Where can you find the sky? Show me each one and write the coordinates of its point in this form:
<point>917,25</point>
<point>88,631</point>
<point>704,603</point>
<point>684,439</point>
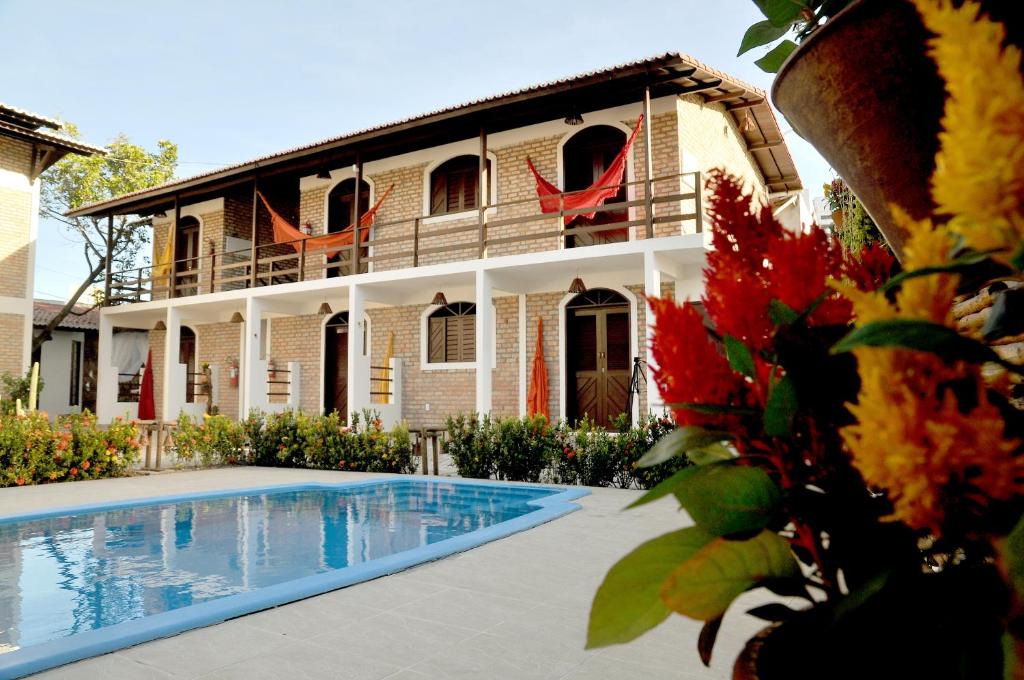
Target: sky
<point>228,81</point>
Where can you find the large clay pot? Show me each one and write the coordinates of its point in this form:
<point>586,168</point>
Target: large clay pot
<point>862,90</point>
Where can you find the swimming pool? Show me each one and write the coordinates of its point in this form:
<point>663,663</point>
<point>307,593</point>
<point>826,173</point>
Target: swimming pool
<point>77,582</point>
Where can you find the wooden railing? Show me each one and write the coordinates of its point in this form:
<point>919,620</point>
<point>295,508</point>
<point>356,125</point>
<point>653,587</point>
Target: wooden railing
<point>421,240</point>
<point>382,385</point>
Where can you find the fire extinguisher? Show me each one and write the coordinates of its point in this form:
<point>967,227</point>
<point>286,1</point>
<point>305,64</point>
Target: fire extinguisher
<point>233,373</point>
<point>271,369</point>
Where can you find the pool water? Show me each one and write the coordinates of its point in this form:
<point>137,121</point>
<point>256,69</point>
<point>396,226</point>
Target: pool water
<point>72,574</point>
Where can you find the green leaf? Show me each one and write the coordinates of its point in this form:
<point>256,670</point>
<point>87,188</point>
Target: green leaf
<point>724,499</point>
<point>705,585</point>
<point>922,336</point>
<point>665,487</point>
<point>761,33</point>
<point>739,356</point>
<point>712,453</point>
<point>1011,557</point>
<point>961,263</point>
<point>780,408</point>
<point>772,62</point>
<point>628,603</point>
<point>780,313</point>
<point>781,12</point>
<point>680,441</point>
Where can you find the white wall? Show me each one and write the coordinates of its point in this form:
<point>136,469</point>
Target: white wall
<point>55,371</point>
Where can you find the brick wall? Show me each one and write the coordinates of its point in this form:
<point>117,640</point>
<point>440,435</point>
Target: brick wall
<point>708,133</point>
<point>156,346</point>
<point>216,343</point>
<point>12,330</point>
<point>15,219</point>
<point>299,338</point>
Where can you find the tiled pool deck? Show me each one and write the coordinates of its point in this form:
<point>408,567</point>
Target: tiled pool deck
<point>515,608</point>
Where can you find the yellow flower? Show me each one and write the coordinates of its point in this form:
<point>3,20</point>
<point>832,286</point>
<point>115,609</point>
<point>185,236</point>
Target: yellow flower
<point>979,169</point>
<point>913,440</point>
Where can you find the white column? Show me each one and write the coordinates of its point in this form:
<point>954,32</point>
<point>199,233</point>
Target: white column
<point>174,384</point>
<point>106,374</point>
<point>523,360</point>
<point>652,289</point>
<point>253,373</point>
<point>358,363</point>
<point>484,340</point>
<point>689,284</point>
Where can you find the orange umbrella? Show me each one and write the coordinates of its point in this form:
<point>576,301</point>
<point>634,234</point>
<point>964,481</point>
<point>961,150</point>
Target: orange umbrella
<point>537,397</point>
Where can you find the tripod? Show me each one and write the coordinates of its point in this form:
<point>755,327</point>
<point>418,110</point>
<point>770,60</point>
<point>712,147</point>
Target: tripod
<point>634,384</point>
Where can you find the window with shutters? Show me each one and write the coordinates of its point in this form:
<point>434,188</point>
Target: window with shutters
<point>455,185</point>
<point>451,334</point>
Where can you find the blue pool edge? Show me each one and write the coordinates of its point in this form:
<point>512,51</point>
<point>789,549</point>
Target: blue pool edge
<point>92,643</point>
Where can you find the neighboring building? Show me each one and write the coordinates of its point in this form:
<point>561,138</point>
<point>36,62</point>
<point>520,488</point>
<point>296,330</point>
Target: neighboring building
<point>29,144</point>
<point>823,214</point>
<point>457,277</point>
<point>67,361</point>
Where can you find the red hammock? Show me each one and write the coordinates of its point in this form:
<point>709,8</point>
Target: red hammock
<point>606,186</point>
<point>333,243</point>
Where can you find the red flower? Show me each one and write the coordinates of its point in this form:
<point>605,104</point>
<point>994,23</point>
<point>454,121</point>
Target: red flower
<point>873,267</point>
<point>74,471</point>
<point>570,455</point>
<point>689,368</point>
<point>20,481</point>
<point>801,265</point>
<point>85,465</point>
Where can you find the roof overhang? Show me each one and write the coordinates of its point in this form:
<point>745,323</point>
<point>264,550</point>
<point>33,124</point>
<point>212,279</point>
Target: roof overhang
<point>665,75</point>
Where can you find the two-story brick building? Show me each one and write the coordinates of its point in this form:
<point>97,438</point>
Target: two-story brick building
<point>452,278</point>
<point>29,144</point>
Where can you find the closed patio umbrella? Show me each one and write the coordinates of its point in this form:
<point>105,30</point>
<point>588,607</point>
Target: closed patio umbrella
<point>147,408</point>
<point>537,397</point>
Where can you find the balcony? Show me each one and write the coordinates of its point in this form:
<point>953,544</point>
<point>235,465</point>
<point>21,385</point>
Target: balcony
<point>673,204</point>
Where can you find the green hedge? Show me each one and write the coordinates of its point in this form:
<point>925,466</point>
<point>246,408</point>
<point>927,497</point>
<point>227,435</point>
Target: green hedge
<point>532,449</point>
<point>291,439</point>
<point>35,451</point>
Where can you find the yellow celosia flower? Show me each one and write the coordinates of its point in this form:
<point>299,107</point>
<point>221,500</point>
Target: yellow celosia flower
<point>979,174</point>
<point>913,440</point>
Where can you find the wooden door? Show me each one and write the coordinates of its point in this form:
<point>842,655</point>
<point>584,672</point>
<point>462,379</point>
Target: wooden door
<point>187,356</point>
<point>186,254</point>
<point>599,364</point>
<point>336,369</point>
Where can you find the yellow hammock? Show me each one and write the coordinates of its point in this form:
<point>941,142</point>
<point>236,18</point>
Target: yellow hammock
<point>162,266</point>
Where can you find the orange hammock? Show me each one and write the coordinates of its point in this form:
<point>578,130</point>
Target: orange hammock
<point>333,243</point>
<point>606,186</point>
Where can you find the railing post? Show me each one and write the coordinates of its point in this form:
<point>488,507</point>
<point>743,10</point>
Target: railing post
<point>302,260</point>
<point>416,242</point>
<point>213,268</point>
<point>698,189</point>
<point>173,235</point>
<point>108,260</point>
<point>356,214</point>
<point>483,182</point>
<point>649,167</point>
<point>253,264</point>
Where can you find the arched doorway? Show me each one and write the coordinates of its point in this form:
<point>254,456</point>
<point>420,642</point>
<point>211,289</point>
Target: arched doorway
<point>585,157</point>
<point>187,356</point>
<point>597,355</point>
<point>336,365</point>
<point>339,216</point>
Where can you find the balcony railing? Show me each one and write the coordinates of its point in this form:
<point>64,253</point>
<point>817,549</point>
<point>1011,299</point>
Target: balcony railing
<point>510,227</point>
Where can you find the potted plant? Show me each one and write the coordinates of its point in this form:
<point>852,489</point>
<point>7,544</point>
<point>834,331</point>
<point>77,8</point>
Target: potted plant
<point>853,451</point>
<point>862,90</point>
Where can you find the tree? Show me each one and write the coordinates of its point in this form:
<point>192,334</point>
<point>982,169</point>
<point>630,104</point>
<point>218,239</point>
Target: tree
<point>75,181</point>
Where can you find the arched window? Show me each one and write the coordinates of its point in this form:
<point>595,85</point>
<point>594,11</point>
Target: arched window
<point>451,334</point>
<point>455,185</point>
<point>585,157</point>
<point>339,204</point>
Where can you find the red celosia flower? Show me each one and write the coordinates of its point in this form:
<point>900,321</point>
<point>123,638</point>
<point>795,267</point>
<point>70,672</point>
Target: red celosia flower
<point>873,267</point>
<point>689,368</point>
<point>801,265</point>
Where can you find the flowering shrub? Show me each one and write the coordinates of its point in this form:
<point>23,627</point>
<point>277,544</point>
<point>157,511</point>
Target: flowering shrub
<point>531,449</point>
<point>35,451</point>
<point>290,439</point>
